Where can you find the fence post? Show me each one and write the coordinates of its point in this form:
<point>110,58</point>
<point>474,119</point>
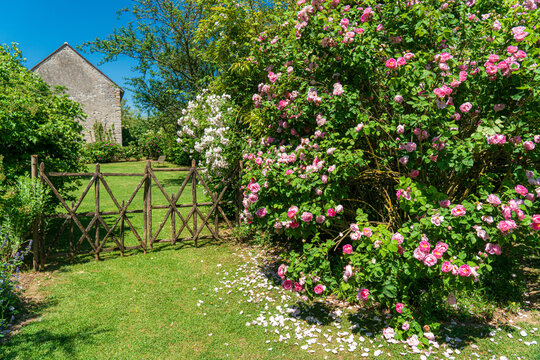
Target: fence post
<point>35,230</point>
<point>122,230</point>
<point>96,207</point>
<point>150,230</point>
<point>145,204</point>
<point>173,222</point>
<point>71,229</point>
<point>194,198</point>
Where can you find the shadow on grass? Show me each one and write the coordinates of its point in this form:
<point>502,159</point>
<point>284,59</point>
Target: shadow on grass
<point>51,344</point>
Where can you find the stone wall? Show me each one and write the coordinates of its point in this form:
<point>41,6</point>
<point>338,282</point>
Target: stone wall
<point>99,96</point>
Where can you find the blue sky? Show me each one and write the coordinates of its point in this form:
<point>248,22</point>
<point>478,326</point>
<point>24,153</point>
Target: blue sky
<point>40,27</point>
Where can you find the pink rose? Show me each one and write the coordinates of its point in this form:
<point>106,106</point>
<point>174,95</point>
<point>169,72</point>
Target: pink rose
<point>347,273</point>
<point>529,145</point>
<point>405,326</point>
<point>391,63</point>
<point>458,210</point>
<point>446,267</point>
<point>419,254</point>
<point>331,212</point>
<point>282,270</point>
<point>401,61</point>
<point>291,213</point>
<point>466,107</point>
<point>338,89</point>
<point>400,129</point>
<point>444,203</point>
<point>367,232</point>
<point>320,219</point>
<point>363,294</point>
<point>306,216</point>
<point>398,237</point>
<point>521,190</point>
<point>287,284</point>
<point>465,270</point>
<point>254,187</point>
<point>298,287</point>
<point>430,260</point>
<point>347,249</point>
<point>442,247</point>
<point>398,99</point>
<point>400,307</point>
<point>493,199</point>
<point>324,179</point>
<point>261,212</point>
<point>319,289</point>
<point>424,246</point>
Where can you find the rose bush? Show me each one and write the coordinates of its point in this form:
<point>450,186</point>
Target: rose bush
<point>395,148</point>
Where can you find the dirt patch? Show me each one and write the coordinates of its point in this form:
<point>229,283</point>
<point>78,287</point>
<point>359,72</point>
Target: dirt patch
<point>33,296</point>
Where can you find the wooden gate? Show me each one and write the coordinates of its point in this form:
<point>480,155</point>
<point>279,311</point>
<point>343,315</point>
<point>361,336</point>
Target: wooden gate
<point>194,222</point>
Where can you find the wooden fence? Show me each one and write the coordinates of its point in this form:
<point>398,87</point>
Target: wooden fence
<point>146,236</point>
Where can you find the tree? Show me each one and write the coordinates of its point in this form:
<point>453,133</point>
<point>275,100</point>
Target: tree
<point>34,119</point>
<point>181,47</point>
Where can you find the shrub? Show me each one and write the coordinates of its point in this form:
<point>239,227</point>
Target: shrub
<point>9,302</point>
<point>385,135</point>
<point>151,145</point>
<point>20,205</point>
<point>102,152</point>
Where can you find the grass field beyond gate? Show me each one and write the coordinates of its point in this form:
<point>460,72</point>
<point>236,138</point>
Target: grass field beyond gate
<point>122,188</point>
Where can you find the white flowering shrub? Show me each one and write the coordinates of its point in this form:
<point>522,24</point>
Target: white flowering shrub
<point>206,119</point>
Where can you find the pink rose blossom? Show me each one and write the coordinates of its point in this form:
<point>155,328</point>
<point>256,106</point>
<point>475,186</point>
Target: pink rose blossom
<point>521,190</point>
<point>493,199</point>
<point>287,284</point>
<point>425,246</point>
<point>405,326</point>
<point>419,254</point>
<point>298,287</point>
<point>459,210</point>
<point>400,129</point>
<point>391,63</point>
<point>401,61</point>
<point>320,219</point>
<point>324,179</point>
<point>306,216</point>
<point>444,203</point>
<point>400,307</point>
<point>319,289</point>
<point>347,249</point>
<point>261,212</point>
<point>446,267</point>
<point>291,213</point>
<point>466,107</point>
<point>363,294</point>
<point>430,260</point>
<point>282,270</point>
<point>465,270</point>
<point>529,145</point>
<point>254,187</point>
<point>331,212</point>
<point>398,237</point>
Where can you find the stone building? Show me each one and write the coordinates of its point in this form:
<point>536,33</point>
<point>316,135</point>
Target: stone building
<point>86,84</point>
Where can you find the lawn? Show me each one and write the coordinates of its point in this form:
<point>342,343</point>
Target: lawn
<point>217,301</point>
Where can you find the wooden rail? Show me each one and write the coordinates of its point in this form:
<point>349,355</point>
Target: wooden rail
<point>146,236</point>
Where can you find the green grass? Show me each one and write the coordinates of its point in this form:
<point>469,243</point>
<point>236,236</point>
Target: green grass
<point>148,306</point>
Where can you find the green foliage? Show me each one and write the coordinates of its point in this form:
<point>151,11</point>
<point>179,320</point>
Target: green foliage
<point>35,121</point>
<point>21,204</point>
<point>104,151</point>
<point>151,145</point>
